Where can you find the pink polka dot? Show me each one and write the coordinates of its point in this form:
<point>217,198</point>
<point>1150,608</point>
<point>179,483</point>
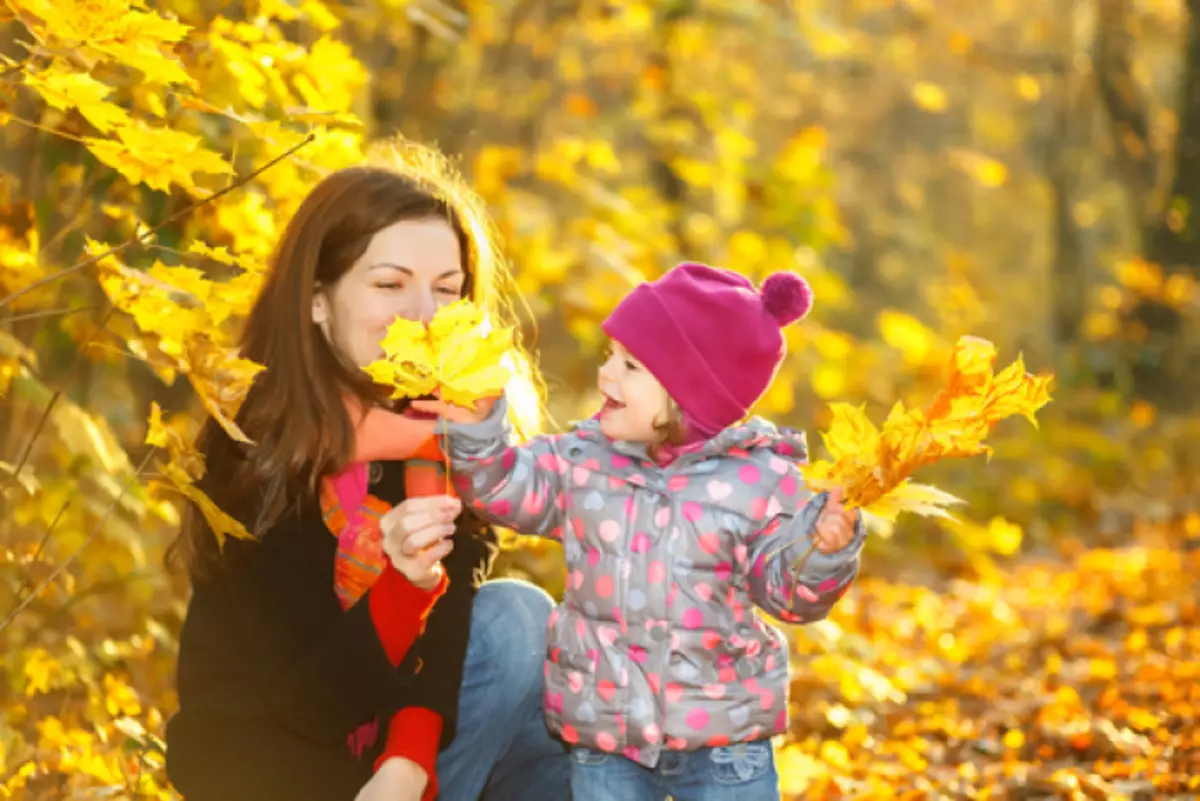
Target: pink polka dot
<point>656,572</point>
<point>604,586</point>
<point>620,461</point>
<point>693,619</point>
<point>500,508</point>
<point>749,474</point>
<point>593,557</point>
<point>606,742</point>
<point>788,486</point>
<point>640,544</point>
<point>709,542</point>
<point>651,734</point>
<point>638,654</point>
<point>714,691</point>
<point>767,699</point>
<point>692,511</point>
<point>534,503</point>
<point>697,719</point>
<point>758,508</point>
<point>662,517</point>
<point>704,591</point>
<point>508,458</point>
<point>781,720</point>
<point>632,753</point>
<point>610,530</point>
<point>827,585</point>
<point>569,734</point>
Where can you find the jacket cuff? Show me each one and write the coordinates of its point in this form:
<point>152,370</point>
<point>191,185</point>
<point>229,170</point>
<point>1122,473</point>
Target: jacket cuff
<point>478,440</point>
<point>414,733</point>
<point>399,609</point>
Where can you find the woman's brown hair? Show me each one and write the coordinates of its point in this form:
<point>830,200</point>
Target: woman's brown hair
<point>295,412</point>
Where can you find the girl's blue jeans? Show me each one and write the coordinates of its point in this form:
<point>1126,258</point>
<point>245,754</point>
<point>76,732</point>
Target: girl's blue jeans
<point>742,772</point>
<point>502,750</point>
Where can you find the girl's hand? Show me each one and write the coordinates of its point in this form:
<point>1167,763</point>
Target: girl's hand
<point>455,413</point>
<point>418,534</point>
<point>398,779</point>
<point>835,526</point>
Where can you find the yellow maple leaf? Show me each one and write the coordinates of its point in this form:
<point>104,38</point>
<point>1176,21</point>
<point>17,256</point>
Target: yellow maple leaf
<point>459,354</point>
<point>872,466</point>
<point>222,524</point>
<point>157,156</point>
<point>64,88</point>
<point>183,468</point>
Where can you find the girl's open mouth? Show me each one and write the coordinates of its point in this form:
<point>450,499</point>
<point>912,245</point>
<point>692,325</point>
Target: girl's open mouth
<point>611,405</point>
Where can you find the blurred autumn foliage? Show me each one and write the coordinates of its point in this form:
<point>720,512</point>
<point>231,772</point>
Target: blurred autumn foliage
<point>1019,172</point>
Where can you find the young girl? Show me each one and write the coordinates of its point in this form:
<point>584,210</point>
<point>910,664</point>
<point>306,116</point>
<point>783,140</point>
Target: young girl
<point>678,515</point>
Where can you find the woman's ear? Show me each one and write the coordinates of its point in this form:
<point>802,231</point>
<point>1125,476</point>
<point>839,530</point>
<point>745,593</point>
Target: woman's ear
<point>320,306</point>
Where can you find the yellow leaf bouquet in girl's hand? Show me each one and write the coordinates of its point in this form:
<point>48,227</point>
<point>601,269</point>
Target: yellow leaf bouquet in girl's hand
<point>872,465</point>
<point>460,356</point>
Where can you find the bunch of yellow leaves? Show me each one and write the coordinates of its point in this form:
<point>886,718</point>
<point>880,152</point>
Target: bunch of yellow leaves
<point>460,355</point>
<point>872,466</point>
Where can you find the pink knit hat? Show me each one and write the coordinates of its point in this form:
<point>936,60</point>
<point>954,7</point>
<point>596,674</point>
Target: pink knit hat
<point>710,338</point>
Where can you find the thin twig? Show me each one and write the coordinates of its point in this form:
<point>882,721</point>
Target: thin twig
<point>58,571</point>
<point>151,231</point>
<point>27,581</point>
<point>16,318</point>
<point>41,423</point>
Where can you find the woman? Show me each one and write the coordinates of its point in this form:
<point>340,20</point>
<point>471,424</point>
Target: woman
<point>300,667</point>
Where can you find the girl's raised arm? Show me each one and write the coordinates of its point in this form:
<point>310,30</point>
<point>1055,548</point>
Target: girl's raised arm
<point>520,487</point>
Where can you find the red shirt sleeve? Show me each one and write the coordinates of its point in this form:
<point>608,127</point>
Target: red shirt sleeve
<point>414,733</point>
<point>399,609</point>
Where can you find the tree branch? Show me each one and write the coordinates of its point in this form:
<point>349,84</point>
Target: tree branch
<point>58,571</point>
<point>152,231</point>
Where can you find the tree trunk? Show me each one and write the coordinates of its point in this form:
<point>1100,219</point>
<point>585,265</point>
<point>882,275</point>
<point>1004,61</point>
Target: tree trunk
<point>1159,351</point>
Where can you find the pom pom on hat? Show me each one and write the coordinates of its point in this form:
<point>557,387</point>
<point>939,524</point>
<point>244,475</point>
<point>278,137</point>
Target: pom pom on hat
<point>787,297</point>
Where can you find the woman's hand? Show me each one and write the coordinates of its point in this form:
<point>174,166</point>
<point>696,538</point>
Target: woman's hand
<point>835,526</point>
<point>455,413</point>
<point>398,779</point>
<point>418,534</point>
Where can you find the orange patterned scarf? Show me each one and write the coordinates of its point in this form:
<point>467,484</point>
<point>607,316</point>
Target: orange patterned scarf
<point>352,513</point>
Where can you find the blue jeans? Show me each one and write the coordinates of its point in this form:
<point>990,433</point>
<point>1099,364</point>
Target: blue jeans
<point>502,750</point>
<point>742,772</point>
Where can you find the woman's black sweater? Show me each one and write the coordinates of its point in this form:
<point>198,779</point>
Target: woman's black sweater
<point>274,677</point>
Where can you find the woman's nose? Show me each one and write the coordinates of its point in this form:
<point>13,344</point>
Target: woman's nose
<point>426,305</point>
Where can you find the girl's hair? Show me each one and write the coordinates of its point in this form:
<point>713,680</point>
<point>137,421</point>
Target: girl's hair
<point>672,432</point>
<point>295,412</point>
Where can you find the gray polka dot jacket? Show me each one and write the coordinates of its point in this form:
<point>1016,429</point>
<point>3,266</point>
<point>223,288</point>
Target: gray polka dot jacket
<point>657,643</point>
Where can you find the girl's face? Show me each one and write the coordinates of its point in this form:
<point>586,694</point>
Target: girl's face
<point>409,269</point>
<point>634,402</point>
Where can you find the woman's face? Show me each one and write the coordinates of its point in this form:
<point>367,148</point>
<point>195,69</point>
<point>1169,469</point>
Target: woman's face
<point>410,269</point>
